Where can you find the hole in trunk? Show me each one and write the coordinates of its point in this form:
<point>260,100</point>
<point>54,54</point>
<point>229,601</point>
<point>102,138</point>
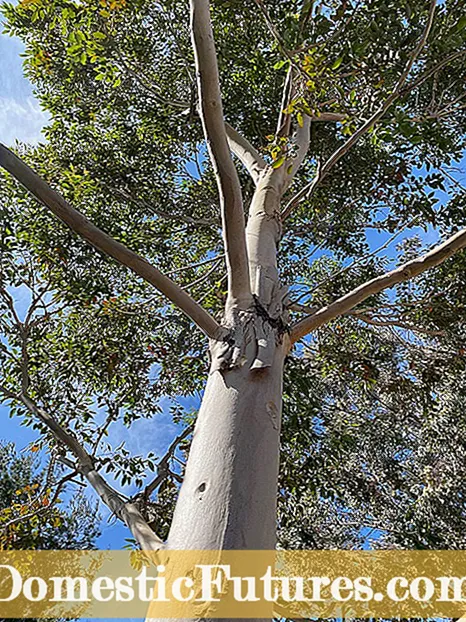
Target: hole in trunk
<point>202,487</point>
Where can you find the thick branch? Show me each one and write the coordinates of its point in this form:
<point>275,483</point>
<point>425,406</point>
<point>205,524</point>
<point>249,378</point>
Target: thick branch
<point>227,177</point>
<point>245,152</point>
<point>127,512</point>
<point>105,243</point>
<point>404,273</point>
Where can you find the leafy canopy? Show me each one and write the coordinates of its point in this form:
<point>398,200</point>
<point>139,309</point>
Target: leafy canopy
<point>368,398</point>
<point>28,519</point>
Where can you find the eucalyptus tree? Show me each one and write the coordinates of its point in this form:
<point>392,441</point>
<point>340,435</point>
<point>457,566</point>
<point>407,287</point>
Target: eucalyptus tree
<point>235,164</point>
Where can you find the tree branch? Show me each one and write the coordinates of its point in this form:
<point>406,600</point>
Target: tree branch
<point>158,212</point>
<point>105,243</point>
<point>281,46</point>
<point>405,272</point>
<point>239,289</point>
<point>365,257</point>
<point>163,470</point>
<point>367,319</point>
<point>246,153</point>
<point>309,189</point>
<point>329,116</point>
<point>127,512</point>
<point>197,264</point>
<point>284,120</point>
<point>430,71</point>
<point>85,463</point>
<point>301,140</point>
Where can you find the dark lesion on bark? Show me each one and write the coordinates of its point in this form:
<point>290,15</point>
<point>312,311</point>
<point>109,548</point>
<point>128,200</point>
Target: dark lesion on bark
<point>265,323</point>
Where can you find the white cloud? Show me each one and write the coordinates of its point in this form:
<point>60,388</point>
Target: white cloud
<point>21,119</point>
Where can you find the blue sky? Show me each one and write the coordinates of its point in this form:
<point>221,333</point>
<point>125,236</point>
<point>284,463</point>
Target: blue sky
<point>20,119</point>
<point>20,115</point>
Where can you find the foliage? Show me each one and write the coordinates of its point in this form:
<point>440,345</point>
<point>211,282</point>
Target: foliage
<point>26,494</point>
<point>374,402</point>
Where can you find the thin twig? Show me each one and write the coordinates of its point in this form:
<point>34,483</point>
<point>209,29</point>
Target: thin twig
<point>308,190</point>
<point>163,467</point>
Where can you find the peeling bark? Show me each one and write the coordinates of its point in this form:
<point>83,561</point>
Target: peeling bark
<point>264,323</point>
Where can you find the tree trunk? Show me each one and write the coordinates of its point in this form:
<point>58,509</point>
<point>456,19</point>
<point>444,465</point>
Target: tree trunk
<point>228,497</point>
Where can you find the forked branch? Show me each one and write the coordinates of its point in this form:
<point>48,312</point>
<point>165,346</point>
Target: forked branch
<point>211,111</point>
<point>105,243</point>
<point>246,153</point>
<point>405,272</point>
<point>85,464</point>
<point>397,92</point>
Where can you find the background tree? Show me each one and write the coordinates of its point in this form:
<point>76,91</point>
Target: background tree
<point>32,513</point>
<point>357,117</point>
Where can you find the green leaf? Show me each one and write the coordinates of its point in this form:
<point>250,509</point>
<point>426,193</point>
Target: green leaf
<point>460,24</point>
<point>277,163</point>
<point>281,64</point>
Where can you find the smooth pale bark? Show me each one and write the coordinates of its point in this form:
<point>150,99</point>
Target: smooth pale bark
<point>229,494</point>
<point>263,233</point>
<point>228,497</point>
<point>244,151</point>
<point>213,122</point>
